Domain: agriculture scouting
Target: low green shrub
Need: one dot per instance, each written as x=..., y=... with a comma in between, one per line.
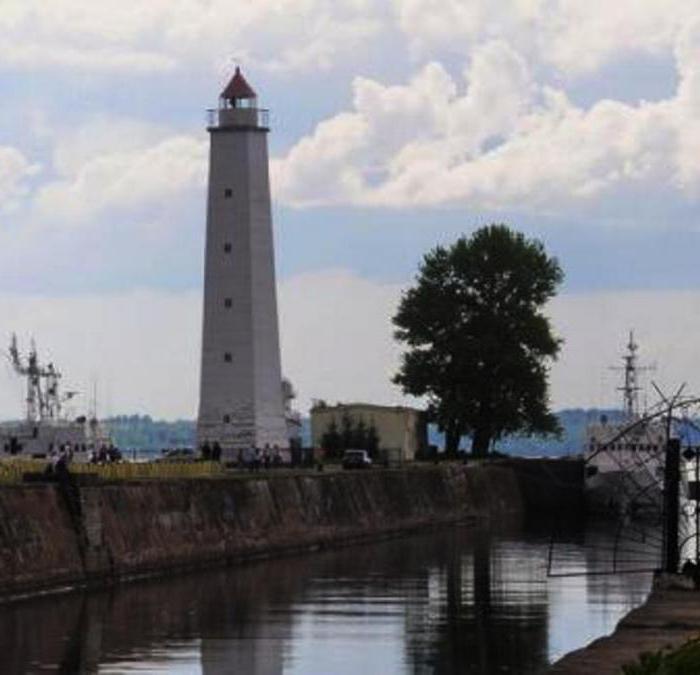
x=683, y=661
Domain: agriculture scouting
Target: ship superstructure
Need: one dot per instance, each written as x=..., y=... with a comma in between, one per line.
x=47, y=425
x=624, y=458
x=44, y=400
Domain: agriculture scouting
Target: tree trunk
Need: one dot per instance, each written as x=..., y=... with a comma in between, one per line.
x=452, y=435
x=481, y=442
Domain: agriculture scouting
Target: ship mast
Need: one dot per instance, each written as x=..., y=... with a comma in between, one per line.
x=44, y=400
x=630, y=388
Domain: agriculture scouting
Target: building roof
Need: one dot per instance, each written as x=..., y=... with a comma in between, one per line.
x=364, y=406
x=238, y=87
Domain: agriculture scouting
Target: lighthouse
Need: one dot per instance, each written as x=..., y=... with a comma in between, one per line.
x=241, y=400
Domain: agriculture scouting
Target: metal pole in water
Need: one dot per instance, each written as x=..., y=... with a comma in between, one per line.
x=697, y=507
x=672, y=478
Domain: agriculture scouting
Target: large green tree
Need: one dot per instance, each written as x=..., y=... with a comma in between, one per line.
x=478, y=342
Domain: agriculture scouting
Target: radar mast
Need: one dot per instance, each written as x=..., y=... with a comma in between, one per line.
x=44, y=400
x=630, y=387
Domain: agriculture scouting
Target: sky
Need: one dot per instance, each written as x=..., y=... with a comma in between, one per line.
x=396, y=125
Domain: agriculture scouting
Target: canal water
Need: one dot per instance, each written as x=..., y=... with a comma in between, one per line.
x=457, y=600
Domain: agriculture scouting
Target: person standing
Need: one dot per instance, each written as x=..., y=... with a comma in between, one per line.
x=206, y=451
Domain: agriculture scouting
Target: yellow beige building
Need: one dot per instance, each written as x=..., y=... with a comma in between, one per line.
x=402, y=432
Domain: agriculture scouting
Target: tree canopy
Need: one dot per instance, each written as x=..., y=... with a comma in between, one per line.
x=478, y=343
x=353, y=434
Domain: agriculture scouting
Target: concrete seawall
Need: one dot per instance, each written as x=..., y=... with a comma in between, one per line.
x=50, y=537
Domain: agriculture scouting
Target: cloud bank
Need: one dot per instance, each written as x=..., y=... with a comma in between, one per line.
x=470, y=105
x=142, y=347
x=570, y=36
x=161, y=36
x=496, y=138
x=15, y=169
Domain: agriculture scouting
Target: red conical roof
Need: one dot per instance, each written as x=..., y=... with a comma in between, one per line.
x=238, y=87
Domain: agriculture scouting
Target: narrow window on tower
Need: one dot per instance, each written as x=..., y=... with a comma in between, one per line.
x=227, y=419
x=227, y=357
x=227, y=247
x=228, y=303
x=228, y=193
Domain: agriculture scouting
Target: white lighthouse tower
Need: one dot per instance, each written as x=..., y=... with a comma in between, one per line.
x=241, y=401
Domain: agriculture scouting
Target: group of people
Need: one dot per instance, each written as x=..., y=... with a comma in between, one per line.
x=13, y=446
x=255, y=458
x=211, y=452
x=106, y=454
x=59, y=459
x=65, y=452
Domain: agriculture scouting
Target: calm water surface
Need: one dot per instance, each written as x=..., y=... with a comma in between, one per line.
x=455, y=601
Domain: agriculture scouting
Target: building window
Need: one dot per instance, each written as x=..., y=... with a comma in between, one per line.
x=227, y=357
x=228, y=193
x=227, y=247
x=228, y=303
x=227, y=419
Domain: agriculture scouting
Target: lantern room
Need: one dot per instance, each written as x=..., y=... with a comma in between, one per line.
x=238, y=106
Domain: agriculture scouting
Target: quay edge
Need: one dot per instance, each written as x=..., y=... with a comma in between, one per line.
x=668, y=619
x=52, y=538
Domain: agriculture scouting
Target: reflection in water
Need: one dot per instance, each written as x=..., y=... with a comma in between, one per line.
x=458, y=600
x=487, y=612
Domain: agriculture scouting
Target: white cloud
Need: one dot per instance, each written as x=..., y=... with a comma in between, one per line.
x=499, y=140
x=595, y=327
x=337, y=344
x=572, y=36
x=161, y=35
x=20, y=55
x=141, y=347
x=116, y=172
x=114, y=196
x=336, y=337
x=74, y=146
x=15, y=168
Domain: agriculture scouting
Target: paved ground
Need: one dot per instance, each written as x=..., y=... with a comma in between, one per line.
x=669, y=618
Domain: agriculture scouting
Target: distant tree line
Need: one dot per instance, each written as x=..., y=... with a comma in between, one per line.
x=350, y=435
x=144, y=433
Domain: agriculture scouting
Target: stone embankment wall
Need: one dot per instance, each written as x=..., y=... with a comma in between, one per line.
x=52, y=536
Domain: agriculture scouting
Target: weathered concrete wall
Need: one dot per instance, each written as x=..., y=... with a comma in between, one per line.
x=38, y=542
x=125, y=529
x=547, y=485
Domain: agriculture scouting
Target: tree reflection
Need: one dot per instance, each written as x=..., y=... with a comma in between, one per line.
x=491, y=619
x=456, y=600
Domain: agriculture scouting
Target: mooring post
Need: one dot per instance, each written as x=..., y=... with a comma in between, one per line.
x=672, y=479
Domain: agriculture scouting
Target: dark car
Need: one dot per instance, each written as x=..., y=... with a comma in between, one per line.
x=356, y=459
x=178, y=455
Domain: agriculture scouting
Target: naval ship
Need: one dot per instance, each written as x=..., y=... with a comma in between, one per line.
x=46, y=426
x=624, y=457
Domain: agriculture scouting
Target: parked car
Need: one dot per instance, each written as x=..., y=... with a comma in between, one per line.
x=356, y=459
x=177, y=455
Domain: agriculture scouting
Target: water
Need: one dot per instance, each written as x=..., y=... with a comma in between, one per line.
x=456, y=600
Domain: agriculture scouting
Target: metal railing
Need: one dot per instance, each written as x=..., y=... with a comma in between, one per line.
x=12, y=471
x=260, y=117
